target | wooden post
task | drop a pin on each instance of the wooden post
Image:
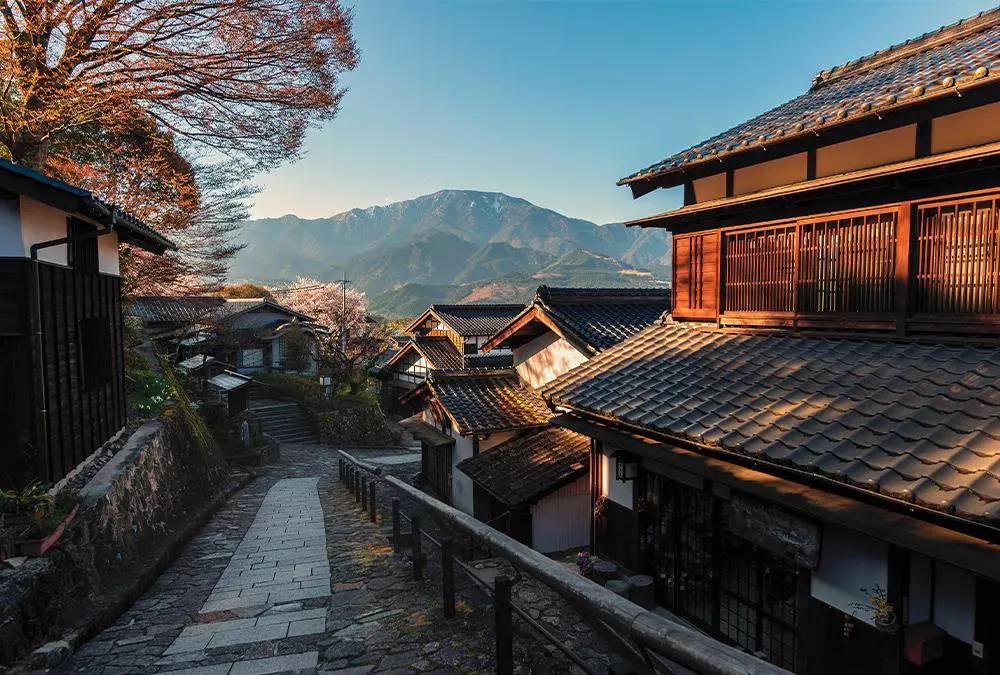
(357, 485)
(448, 576)
(395, 525)
(417, 556)
(504, 629)
(364, 493)
(372, 507)
(904, 252)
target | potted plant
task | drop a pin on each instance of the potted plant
(878, 606)
(26, 505)
(46, 531)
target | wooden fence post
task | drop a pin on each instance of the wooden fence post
(448, 576)
(357, 486)
(372, 505)
(504, 629)
(364, 494)
(396, 547)
(418, 558)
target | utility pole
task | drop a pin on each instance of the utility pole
(343, 315)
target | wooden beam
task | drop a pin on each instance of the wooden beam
(689, 196)
(904, 249)
(923, 142)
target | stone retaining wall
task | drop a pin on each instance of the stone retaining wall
(130, 511)
(358, 425)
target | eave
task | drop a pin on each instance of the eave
(970, 545)
(877, 116)
(537, 314)
(818, 187)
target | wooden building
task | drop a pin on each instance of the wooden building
(563, 327)
(820, 416)
(249, 333)
(444, 337)
(61, 352)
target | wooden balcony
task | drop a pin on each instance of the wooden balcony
(928, 266)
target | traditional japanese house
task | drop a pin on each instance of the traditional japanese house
(61, 351)
(251, 334)
(444, 337)
(563, 327)
(467, 326)
(806, 454)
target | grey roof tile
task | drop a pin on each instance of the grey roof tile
(901, 425)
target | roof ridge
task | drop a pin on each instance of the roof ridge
(947, 33)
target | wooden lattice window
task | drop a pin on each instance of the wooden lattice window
(958, 257)
(847, 264)
(696, 265)
(760, 270)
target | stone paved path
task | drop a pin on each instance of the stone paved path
(290, 576)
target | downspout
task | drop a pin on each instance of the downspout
(38, 332)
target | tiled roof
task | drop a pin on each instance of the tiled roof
(498, 358)
(916, 422)
(161, 308)
(486, 401)
(183, 309)
(130, 227)
(936, 64)
(476, 319)
(603, 317)
(527, 468)
(440, 352)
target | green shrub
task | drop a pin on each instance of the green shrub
(299, 388)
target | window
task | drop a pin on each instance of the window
(252, 358)
(958, 257)
(471, 347)
(96, 357)
(83, 252)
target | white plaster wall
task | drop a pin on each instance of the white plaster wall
(955, 602)
(561, 520)
(709, 188)
(884, 147)
(545, 358)
(612, 488)
(783, 171)
(965, 129)
(42, 223)
(107, 254)
(849, 562)
(11, 245)
(461, 485)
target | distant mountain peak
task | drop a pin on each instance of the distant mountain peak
(448, 237)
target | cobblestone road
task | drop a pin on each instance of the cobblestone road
(290, 576)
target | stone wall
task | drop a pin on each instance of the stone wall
(131, 511)
(354, 425)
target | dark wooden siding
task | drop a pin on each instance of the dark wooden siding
(18, 460)
(82, 414)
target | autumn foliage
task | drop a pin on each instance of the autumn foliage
(167, 107)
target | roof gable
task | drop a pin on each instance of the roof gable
(593, 319)
(469, 320)
(920, 423)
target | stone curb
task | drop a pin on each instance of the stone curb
(53, 653)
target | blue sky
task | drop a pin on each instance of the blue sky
(553, 101)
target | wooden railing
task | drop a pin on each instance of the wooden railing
(958, 258)
(930, 265)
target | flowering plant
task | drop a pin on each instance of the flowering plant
(584, 561)
(877, 605)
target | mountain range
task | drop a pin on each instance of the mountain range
(450, 246)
